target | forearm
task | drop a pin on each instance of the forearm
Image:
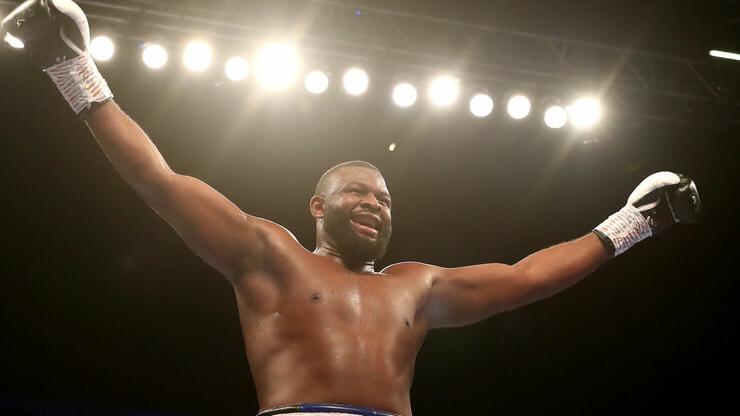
(557, 268)
(126, 145)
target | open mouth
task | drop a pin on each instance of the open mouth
(364, 229)
(366, 224)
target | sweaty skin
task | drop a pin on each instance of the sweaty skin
(319, 332)
(323, 326)
(318, 328)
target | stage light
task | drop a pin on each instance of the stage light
(519, 107)
(481, 105)
(316, 82)
(102, 48)
(725, 55)
(556, 117)
(404, 95)
(236, 68)
(355, 81)
(13, 41)
(444, 91)
(154, 56)
(276, 66)
(197, 56)
(585, 112)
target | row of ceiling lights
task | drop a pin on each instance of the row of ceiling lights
(277, 65)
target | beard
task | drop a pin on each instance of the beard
(349, 243)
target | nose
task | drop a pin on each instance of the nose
(370, 202)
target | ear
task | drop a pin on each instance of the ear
(316, 206)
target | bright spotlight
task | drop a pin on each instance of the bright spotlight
(481, 105)
(154, 56)
(404, 95)
(276, 66)
(13, 41)
(355, 81)
(101, 48)
(316, 82)
(725, 55)
(556, 117)
(197, 56)
(519, 107)
(444, 91)
(236, 68)
(585, 112)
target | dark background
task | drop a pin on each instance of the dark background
(101, 303)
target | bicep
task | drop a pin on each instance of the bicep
(465, 295)
(210, 224)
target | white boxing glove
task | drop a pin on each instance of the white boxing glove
(661, 200)
(57, 36)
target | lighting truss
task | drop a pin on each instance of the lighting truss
(634, 84)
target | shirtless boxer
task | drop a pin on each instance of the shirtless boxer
(324, 332)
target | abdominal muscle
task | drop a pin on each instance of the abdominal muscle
(349, 372)
(335, 341)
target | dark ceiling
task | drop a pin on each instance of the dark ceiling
(680, 27)
(672, 27)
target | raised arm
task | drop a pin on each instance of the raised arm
(464, 295)
(212, 226)
(57, 36)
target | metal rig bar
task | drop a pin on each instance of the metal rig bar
(636, 84)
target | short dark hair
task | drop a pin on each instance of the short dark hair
(323, 186)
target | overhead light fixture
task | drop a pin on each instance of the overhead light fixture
(556, 117)
(518, 107)
(197, 56)
(276, 66)
(481, 105)
(585, 112)
(404, 95)
(236, 68)
(154, 56)
(316, 82)
(725, 55)
(444, 91)
(13, 41)
(102, 48)
(355, 81)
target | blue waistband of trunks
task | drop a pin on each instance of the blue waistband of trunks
(308, 408)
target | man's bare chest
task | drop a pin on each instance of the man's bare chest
(331, 298)
(363, 301)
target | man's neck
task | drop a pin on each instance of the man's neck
(353, 266)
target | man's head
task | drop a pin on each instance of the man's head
(352, 208)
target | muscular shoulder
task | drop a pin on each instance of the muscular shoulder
(411, 268)
(275, 245)
(275, 234)
(418, 278)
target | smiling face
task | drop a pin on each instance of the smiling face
(355, 216)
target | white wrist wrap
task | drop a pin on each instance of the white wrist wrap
(625, 228)
(80, 82)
